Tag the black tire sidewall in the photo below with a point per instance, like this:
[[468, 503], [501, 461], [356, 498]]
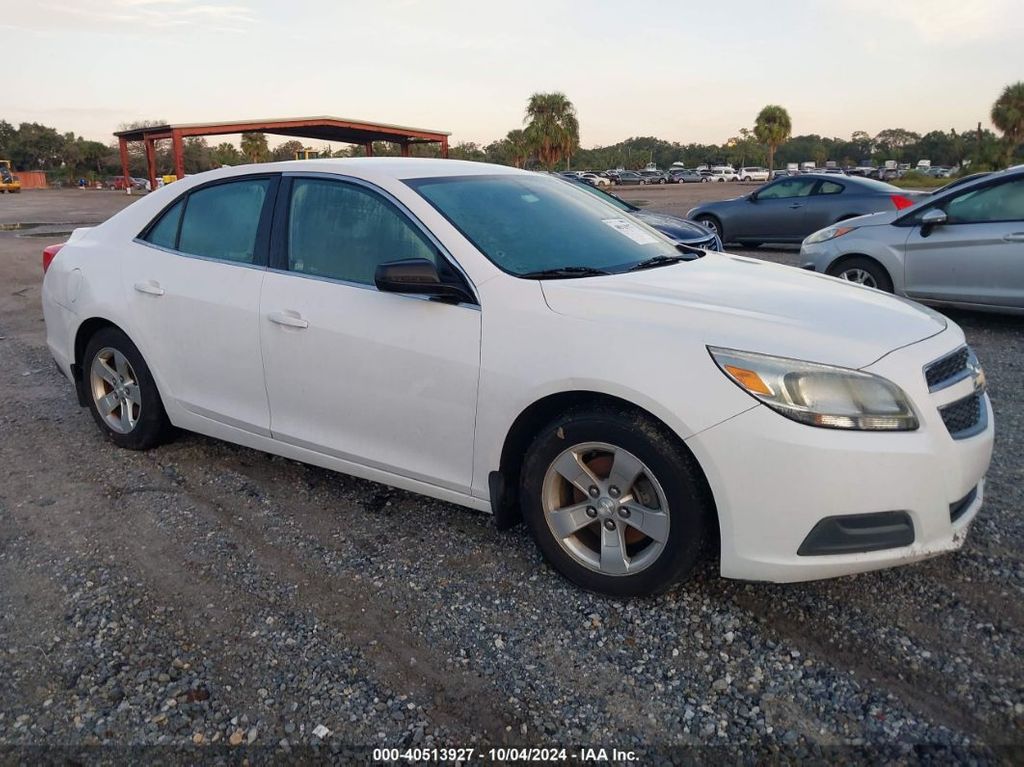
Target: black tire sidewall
[[152, 426], [675, 470], [882, 279]]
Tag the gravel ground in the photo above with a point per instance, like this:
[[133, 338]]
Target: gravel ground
[[206, 596]]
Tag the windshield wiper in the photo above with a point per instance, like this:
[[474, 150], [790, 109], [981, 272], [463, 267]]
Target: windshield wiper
[[655, 261], [564, 272]]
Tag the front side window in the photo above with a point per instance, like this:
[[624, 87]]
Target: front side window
[[790, 187], [344, 232], [1001, 202], [221, 221], [532, 223]]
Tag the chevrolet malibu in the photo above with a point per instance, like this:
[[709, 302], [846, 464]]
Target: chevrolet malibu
[[505, 341]]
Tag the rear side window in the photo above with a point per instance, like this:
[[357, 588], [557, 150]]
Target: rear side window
[[344, 232], [165, 231], [221, 221], [830, 187]]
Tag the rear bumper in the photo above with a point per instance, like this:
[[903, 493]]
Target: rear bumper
[[774, 480]]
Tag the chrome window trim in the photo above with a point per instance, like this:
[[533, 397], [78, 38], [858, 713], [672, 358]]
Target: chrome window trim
[[362, 286], [183, 254]]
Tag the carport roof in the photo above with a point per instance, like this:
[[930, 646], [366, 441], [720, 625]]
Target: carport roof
[[324, 127]]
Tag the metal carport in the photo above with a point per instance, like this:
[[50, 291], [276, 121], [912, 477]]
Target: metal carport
[[324, 128]]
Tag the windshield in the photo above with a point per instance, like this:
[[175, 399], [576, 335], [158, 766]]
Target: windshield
[[600, 194], [532, 223]]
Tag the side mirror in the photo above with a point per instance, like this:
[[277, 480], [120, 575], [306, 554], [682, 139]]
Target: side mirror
[[419, 276], [752, 196], [930, 219]]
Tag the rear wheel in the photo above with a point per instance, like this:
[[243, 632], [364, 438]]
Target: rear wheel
[[863, 271], [123, 397], [614, 503]]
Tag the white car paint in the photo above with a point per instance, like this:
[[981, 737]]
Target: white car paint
[[421, 395]]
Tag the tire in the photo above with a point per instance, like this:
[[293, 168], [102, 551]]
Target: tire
[[667, 498], [710, 222], [661, 181], [747, 179], [862, 271], [704, 180], [643, 182], [110, 365]]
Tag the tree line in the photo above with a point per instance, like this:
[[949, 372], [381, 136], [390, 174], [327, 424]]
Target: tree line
[[549, 139]]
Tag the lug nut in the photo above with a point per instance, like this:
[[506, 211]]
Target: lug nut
[[624, 512], [591, 512], [609, 524], [613, 491], [594, 492]]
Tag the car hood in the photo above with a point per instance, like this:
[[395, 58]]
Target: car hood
[[874, 219], [674, 226], [742, 303]]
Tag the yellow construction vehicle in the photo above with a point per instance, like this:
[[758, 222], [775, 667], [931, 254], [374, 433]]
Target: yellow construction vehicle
[[307, 154], [8, 181]]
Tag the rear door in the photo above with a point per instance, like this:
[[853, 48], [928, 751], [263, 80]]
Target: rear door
[[824, 205], [977, 256], [192, 281]]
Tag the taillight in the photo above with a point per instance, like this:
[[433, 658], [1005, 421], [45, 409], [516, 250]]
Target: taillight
[[49, 253], [901, 202]]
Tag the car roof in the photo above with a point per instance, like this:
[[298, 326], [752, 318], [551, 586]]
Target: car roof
[[376, 168]]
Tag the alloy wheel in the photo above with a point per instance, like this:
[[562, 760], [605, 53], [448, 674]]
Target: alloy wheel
[[115, 390], [859, 276], [605, 508]]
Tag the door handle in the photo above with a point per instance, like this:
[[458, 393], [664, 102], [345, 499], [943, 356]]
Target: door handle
[[150, 288], [797, 205], [1014, 237], [289, 320]]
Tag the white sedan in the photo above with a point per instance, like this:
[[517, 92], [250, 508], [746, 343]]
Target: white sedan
[[508, 342]]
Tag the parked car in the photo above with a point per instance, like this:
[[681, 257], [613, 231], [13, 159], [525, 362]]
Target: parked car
[[753, 174], [627, 177], [791, 208], [784, 173], [721, 174], [121, 183], [963, 247], [685, 177], [679, 230], [502, 340], [596, 179], [653, 177]]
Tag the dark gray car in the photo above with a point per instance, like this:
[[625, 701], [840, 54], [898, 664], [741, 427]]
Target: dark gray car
[[791, 208], [677, 229]]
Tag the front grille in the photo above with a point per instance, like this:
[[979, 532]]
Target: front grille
[[964, 417], [948, 370], [956, 510]]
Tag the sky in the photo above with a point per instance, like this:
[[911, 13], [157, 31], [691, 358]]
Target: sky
[[681, 70]]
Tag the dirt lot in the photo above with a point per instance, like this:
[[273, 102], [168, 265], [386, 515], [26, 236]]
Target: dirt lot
[[206, 594]]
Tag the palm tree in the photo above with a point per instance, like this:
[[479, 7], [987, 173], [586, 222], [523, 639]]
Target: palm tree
[[254, 147], [772, 127], [518, 147], [1008, 116], [552, 129]]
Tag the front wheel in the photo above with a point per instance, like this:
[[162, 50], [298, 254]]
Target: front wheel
[[123, 397], [704, 180], [863, 271], [614, 503], [710, 222]]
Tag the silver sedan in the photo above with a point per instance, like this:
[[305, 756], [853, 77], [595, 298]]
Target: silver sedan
[[963, 247]]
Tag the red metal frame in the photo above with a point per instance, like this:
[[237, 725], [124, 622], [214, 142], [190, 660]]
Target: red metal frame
[[326, 128]]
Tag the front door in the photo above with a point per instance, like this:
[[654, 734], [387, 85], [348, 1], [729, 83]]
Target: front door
[[384, 380], [777, 213], [977, 256]]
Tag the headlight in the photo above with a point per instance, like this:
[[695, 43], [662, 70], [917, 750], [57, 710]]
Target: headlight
[[828, 233], [819, 395]]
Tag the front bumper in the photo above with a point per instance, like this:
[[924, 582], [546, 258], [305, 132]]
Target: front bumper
[[774, 479]]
